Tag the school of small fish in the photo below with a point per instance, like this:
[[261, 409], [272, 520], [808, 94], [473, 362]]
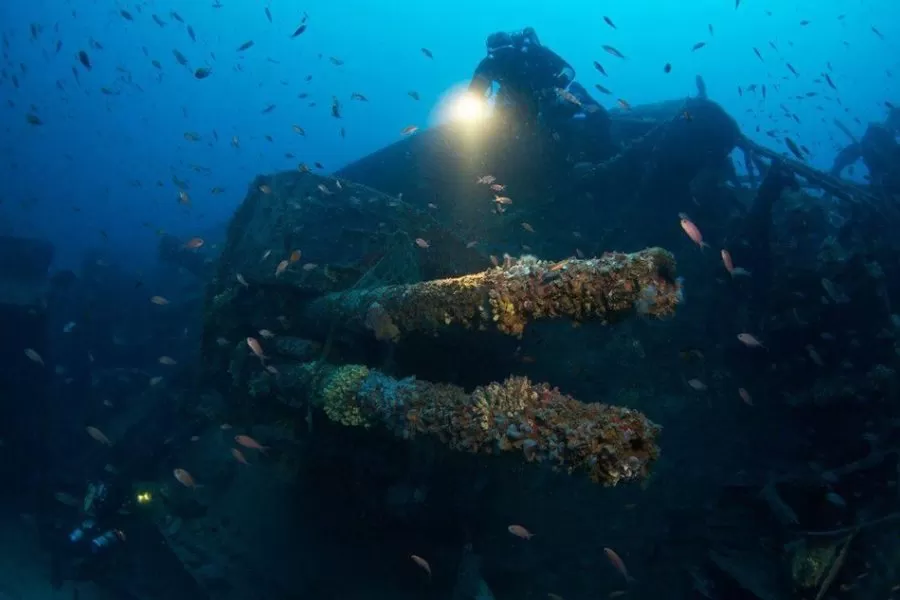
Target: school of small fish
[[204, 62]]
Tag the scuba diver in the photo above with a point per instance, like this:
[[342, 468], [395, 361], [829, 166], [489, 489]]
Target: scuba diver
[[532, 78], [879, 150], [538, 86], [89, 544]]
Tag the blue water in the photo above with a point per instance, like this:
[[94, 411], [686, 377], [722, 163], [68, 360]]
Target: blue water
[[99, 178], [105, 153]]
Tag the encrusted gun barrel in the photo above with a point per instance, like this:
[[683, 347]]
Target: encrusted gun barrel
[[512, 295], [609, 443]]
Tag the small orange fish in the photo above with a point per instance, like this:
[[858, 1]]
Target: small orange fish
[[248, 442], [422, 243], [98, 435], [692, 231], [422, 563], [519, 531], [726, 260], [193, 243], [159, 300], [239, 456], [295, 256], [618, 564], [185, 478], [256, 348], [749, 340]]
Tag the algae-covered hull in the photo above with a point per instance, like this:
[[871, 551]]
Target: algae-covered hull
[[378, 338], [298, 236], [291, 281]]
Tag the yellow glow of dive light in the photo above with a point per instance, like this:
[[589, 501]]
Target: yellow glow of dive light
[[466, 111], [143, 497], [468, 108]]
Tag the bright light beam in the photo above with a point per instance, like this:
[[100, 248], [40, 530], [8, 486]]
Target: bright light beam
[[460, 107], [467, 108]]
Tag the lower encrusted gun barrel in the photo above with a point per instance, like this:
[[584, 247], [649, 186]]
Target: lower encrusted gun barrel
[[511, 296], [608, 443]]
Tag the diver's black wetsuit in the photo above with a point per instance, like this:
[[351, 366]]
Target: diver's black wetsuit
[[89, 541], [527, 72], [535, 84], [880, 152], [877, 148]]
